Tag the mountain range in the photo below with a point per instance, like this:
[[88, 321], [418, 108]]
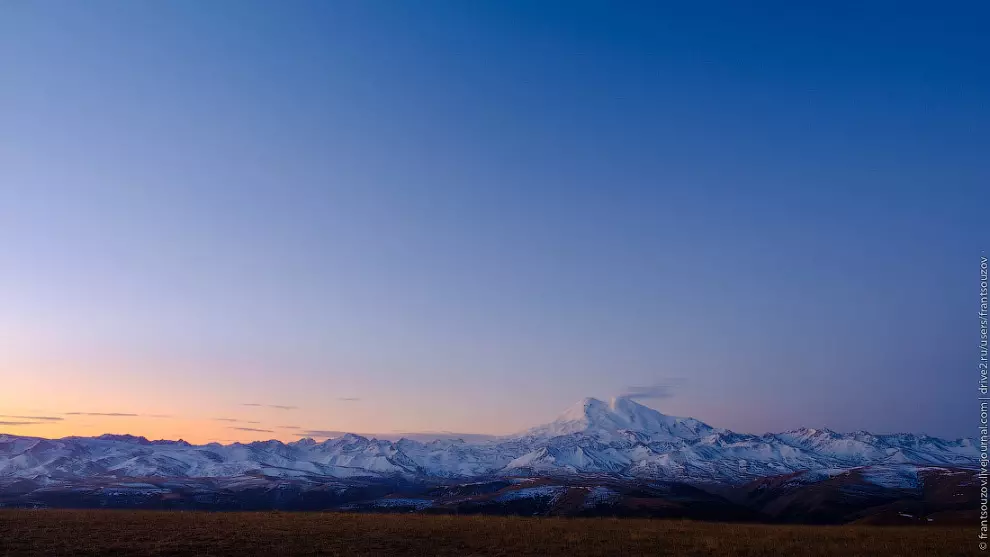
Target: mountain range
[[621, 438], [592, 445]]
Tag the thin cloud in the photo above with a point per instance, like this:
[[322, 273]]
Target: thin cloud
[[422, 436], [109, 414], [349, 398], [253, 429], [21, 423], [660, 390], [323, 433], [288, 427], [427, 436], [275, 406], [236, 421], [41, 418]]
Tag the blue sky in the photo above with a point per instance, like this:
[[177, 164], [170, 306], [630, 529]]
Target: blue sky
[[468, 215]]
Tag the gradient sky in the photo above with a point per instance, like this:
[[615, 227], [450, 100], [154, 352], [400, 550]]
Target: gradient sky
[[465, 216]]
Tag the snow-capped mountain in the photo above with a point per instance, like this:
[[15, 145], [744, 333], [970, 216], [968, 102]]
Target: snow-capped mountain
[[621, 438], [622, 419]]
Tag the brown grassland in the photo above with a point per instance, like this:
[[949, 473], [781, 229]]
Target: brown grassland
[[145, 533]]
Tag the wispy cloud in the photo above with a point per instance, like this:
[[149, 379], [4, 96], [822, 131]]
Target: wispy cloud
[[236, 421], [114, 415], [41, 418], [426, 436], [110, 414], [663, 389], [275, 406], [288, 427], [323, 433], [349, 398], [253, 429], [21, 423], [423, 436]]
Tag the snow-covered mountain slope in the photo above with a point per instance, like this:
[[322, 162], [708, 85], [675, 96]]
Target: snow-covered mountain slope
[[620, 438], [622, 419]]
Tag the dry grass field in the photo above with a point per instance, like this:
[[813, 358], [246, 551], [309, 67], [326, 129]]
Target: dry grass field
[[51, 533]]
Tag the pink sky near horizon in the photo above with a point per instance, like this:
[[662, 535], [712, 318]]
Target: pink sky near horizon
[[466, 218]]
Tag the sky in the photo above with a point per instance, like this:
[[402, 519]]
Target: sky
[[237, 220]]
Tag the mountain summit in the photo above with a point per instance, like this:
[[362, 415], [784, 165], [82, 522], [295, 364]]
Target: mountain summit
[[620, 418]]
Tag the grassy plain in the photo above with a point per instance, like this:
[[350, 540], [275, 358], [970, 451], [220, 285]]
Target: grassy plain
[[51, 533]]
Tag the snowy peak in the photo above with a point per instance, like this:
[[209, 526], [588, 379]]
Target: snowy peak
[[640, 418], [586, 410], [125, 438], [621, 416], [586, 414]]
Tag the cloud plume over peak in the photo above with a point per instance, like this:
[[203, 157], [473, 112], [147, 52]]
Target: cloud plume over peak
[[664, 389]]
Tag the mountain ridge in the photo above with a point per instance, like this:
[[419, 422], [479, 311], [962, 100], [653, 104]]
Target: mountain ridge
[[621, 438]]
